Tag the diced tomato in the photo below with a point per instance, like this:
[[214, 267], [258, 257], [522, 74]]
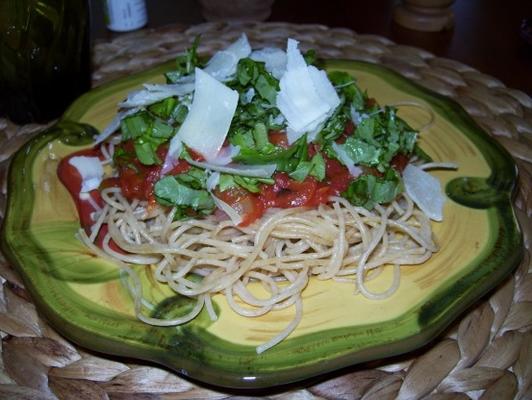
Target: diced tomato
[[181, 166], [399, 162], [348, 131], [110, 182], [195, 155], [246, 204], [349, 128], [337, 175], [313, 149], [278, 138], [131, 183], [371, 171], [151, 178], [288, 193], [321, 195], [136, 179]]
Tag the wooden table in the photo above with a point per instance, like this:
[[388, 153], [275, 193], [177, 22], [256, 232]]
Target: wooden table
[[486, 33]]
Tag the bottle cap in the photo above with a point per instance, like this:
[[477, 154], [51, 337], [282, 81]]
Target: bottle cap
[[125, 15]]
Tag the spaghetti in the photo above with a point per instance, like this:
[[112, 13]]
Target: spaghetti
[[280, 252]]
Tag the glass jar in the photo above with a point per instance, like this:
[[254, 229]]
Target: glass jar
[[44, 57]]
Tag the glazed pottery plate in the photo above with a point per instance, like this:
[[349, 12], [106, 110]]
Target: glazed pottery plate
[[85, 299]]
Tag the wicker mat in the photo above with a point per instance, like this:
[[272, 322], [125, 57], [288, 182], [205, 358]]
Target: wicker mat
[[487, 354]]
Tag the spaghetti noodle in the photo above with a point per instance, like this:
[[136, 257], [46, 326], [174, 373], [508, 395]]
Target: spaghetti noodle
[[280, 252]]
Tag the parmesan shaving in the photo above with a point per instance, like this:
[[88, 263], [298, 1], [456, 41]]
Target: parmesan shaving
[[222, 66], [306, 97], [425, 191], [209, 118], [91, 171]]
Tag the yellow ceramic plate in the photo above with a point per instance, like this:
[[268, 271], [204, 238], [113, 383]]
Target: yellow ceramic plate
[[85, 300]]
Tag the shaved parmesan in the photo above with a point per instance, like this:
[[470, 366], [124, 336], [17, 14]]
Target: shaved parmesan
[[208, 120], [174, 150], [114, 125], [425, 191], [225, 155], [273, 58], [306, 97], [233, 214], [253, 171], [324, 87], [91, 171], [212, 182], [222, 65], [354, 170], [154, 93], [356, 116]]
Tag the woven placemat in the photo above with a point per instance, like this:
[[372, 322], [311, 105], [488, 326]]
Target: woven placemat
[[487, 354]]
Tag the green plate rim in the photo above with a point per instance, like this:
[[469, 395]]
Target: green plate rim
[[195, 353]]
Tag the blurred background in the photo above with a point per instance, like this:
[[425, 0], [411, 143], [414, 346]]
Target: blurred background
[[487, 34]]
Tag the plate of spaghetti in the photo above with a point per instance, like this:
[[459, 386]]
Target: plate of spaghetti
[[260, 217]]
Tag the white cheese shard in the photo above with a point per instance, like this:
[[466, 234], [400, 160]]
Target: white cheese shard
[[222, 66], [273, 58], [209, 118], [152, 93], [172, 156], [253, 171], [114, 125], [91, 171], [425, 191], [306, 97], [212, 182], [233, 214], [354, 170], [225, 155]]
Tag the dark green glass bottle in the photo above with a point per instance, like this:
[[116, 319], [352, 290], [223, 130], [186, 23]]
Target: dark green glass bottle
[[44, 57]]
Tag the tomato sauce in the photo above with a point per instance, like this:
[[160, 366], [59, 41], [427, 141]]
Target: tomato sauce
[[71, 179], [137, 181]]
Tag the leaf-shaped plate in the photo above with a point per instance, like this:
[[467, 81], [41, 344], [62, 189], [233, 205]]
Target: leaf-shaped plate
[[84, 298]]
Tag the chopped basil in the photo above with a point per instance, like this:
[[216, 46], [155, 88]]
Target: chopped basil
[[368, 190], [378, 138], [196, 178], [185, 63], [362, 152], [250, 184], [226, 182], [348, 88], [161, 130], [335, 125], [260, 135], [170, 192], [366, 130], [250, 73], [164, 108], [315, 167], [180, 113], [148, 133], [135, 125], [146, 154]]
